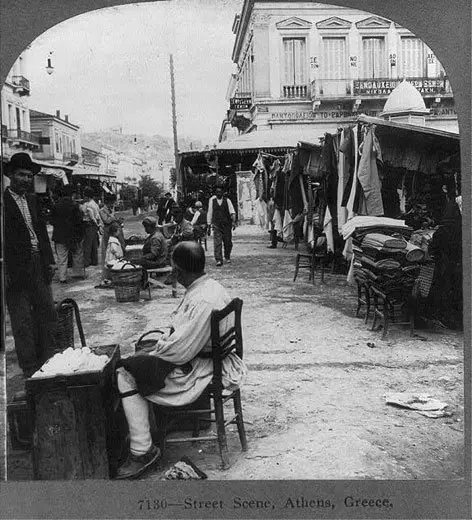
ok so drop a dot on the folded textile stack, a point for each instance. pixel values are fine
(388, 262)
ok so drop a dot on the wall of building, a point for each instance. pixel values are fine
(329, 63)
(61, 141)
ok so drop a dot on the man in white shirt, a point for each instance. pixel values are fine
(92, 221)
(183, 349)
(222, 219)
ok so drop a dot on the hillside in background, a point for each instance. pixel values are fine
(154, 149)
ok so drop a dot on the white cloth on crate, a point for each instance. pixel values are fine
(191, 325)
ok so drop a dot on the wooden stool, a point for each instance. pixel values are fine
(159, 271)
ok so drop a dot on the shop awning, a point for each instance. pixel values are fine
(405, 127)
(274, 139)
(91, 173)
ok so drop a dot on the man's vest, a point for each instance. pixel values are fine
(221, 214)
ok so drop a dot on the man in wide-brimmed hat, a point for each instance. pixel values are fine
(29, 267)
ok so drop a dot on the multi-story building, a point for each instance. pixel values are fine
(15, 130)
(59, 138)
(312, 67)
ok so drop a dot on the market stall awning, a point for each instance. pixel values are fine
(405, 127)
(91, 173)
(274, 139)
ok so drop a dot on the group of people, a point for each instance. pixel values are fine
(29, 267)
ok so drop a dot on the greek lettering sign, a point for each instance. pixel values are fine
(385, 87)
(240, 103)
(309, 115)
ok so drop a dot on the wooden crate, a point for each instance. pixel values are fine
(76, 432)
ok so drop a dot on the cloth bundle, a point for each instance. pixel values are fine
(383, 242)
(72, 361)
(184, 469)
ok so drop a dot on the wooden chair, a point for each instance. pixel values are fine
(222, 345)
(363, 298)
(385, 308)
(309, 260)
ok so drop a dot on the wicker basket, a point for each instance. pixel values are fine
(134, 240)
(133, 253)
(127, 293)
(63, 331)
(127, 276)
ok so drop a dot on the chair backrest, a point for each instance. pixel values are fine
(229, 341)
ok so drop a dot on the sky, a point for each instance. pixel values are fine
(111, 67)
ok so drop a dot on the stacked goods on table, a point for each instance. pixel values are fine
(389, 263)
(382, 254)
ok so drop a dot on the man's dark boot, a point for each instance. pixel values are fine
(136, 465)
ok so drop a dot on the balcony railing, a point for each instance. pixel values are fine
(70, 156)
(22, 85)
(24, 137)
(295, 91)
(375, 88)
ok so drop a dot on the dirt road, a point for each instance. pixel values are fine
(314, 400)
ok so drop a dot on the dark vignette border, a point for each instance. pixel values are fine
(445, 25)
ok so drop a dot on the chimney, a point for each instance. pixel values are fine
(66, 118)
(58, 114)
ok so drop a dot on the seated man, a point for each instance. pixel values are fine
(183, 229)
(155, 249)
(181, 375)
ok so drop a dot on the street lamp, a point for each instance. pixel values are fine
(49, 67)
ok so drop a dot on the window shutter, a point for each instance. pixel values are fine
(373, 58)
(412, 57)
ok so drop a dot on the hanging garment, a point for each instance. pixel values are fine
(288, 233)
(348, 150)
(368, 173)
(278, 222)
(328, 230)
(342, 175)
(261, 214)
(352, 194)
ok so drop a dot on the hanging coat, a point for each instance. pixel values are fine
(368, 174)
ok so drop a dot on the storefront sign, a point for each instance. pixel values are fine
(240, 103)
(311, 115)
(385, 87)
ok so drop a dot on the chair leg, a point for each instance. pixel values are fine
(359, 298)
(174, 288)
(239, 419)
(385, 317)
(322, 267)
(297, 267)
(367, 300)
(159, 425)
(374, 323)
(220, 428)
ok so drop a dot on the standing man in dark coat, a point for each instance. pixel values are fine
(222, 219)
(68, 234)
(169, 204)
(29, 268)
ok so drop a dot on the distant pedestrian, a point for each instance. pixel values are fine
(161, 210)
(92, 222)
(222, 219)
(68, 234)
(170, 203)
(199, 221)
(108, 217)
(29, 268)
(134, 206)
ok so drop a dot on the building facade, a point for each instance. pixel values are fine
(16, 130)
(307, 65)
(59, 138)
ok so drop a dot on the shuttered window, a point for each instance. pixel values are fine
(334, 58)
(412, 63)
(295, 61)
(374, 59)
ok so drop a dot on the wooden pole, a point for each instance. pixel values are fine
(174, 129)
